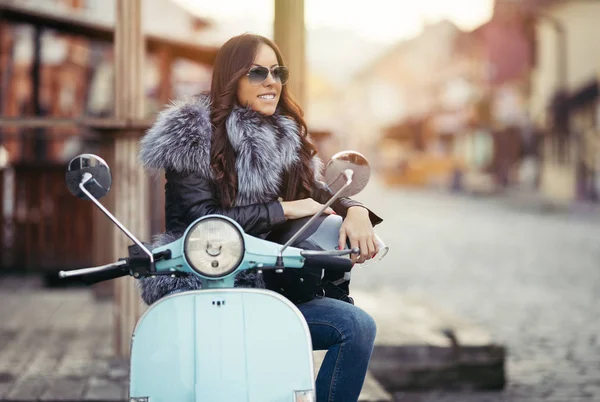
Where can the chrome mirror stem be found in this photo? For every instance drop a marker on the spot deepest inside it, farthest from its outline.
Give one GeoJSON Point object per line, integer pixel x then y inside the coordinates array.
{"type": "Point", "coordinates": [348, 173]}
{"type": "Point", "coordinates": [86, 178]}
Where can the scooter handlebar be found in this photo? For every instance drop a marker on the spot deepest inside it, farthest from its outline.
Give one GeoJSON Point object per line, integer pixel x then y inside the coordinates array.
{"type": "Point", "coordinates": [92, 270]}
{"type": "Point", "coordinates": [98, 274]}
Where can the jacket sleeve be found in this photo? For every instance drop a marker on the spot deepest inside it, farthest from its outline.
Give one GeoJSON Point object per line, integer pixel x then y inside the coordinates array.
{"type": "Point", "coordinates": [342, 204]}
{"type": "Point", "coordinates": [191, 196]}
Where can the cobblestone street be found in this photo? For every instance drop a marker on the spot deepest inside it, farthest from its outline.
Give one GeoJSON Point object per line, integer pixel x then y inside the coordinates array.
{"type": "Point", "coordinates": [531, 278]}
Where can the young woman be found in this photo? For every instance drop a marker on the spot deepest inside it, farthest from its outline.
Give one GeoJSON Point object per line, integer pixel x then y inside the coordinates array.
{"type": "Point", "coordinates": [243, 151]}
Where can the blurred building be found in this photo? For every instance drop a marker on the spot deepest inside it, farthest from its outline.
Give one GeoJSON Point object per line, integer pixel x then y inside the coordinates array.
{"type": "Point", "coordinates": [445, 103]}
{"type": "Point", "coordinates": [515, 102]}
{"type": "Point", "coordinates": [564, 96]}
{"type": "Point", "coordinates": [56, 61]}
{"type": "Point", "coordinates": [503, 47]}
{"type": "Point", "coordinates": [76, 71]}
{"type": "Point", "coordinates": [393, 98]}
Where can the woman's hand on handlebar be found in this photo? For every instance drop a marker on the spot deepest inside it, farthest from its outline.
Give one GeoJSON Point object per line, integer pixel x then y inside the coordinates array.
{"type": "Point", "coordinates": [302, 208]}
{"type": "Point", "coordinates": [358, 229]}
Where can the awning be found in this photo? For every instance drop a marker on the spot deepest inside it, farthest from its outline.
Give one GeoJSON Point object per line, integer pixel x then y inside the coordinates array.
{"type": "Point", "coordinates": [102, 32]}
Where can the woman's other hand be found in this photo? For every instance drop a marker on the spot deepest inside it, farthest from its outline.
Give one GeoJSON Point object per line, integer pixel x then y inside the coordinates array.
{"type": "Point", "coordinates": [302, 208]}
{"type": "Point", "coordinates": [358, 229]}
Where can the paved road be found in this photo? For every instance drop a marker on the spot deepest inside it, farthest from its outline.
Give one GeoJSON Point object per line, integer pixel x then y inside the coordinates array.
{"type": "Point", "coordinates": [532, 278]}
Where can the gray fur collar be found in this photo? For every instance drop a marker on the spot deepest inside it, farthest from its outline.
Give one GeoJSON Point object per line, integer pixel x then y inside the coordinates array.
{"type": "Point", "coordinates": [180, 140]}
{"type": "Point", "coordinates": [265, 146]}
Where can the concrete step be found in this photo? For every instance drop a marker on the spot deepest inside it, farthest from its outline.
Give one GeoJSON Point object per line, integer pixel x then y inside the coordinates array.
{"type": "Point", "coordinates": [420, 345]}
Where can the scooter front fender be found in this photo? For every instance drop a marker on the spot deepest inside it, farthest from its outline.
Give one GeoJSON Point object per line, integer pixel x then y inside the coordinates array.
{"type": "Point", "coordinates": [221, 345]}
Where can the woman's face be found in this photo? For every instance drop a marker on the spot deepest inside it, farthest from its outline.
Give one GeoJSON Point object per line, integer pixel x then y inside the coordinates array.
{"type": "Point", "coordinates": [262, 97]}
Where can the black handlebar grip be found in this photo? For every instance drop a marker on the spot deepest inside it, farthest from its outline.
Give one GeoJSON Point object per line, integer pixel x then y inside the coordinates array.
{"type": "Point", "coordinates": [329, 263]}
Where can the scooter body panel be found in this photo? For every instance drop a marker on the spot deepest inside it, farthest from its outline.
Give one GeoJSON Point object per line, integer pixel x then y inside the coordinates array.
{"type": "Point", "coordinates": [221, 345]}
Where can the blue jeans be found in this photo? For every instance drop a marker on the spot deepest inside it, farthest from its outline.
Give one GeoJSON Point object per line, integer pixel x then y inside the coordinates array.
{"type": "Point", "coordinates": [348, 335]}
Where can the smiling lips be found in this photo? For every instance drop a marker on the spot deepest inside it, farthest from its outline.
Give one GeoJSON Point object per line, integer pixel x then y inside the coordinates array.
{"type": "Point", "coordinates": [269, 96]}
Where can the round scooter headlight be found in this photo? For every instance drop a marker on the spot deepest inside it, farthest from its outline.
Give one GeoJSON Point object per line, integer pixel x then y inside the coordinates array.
{"type": "Point", "coordinates": [214, 247]}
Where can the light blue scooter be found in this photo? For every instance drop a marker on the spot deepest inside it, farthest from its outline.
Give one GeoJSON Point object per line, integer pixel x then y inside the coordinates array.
{"type": "Point", "coordinates": [220, 343]}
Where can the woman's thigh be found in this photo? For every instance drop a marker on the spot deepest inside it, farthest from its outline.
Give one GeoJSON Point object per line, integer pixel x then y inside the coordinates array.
{"type": "Point", "coordinates": [332, 321]}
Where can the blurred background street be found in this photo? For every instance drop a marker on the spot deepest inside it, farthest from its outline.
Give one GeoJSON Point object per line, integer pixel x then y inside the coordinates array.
{"type": "Point", "coordinates": [527, 275]}
{"type": "Point", "coordinates": [480, 118]}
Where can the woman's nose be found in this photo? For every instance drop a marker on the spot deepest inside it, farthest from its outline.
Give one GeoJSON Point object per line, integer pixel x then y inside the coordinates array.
{"type": "Point", "coordinates": [270, 79]}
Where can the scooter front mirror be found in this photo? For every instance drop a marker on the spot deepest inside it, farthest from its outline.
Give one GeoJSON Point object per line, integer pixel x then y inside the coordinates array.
{"type": "Point", "coordinates": [335, 173]}
{"type": "Point", "coordinates": [346, 174]}
{"type": "Point", "coordinates": [98, 185]}
{"type": "Point", "coordinates": [90, 173]}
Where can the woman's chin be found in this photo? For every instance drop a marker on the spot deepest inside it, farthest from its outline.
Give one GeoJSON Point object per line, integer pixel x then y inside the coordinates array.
{"type": "Point", "coordinates": [267, 110]}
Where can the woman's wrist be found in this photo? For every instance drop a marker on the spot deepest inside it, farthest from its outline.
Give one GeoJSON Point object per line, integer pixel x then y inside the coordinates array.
{"type": "Point", "coordinates": [357, 209]}
{"type": "Point", "coordinates": [285, 207]}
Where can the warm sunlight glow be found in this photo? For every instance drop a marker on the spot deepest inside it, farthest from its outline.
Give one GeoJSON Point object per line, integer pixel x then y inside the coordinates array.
{"type": "Point", "coordinates": [386, 21]}
{"type": "Point", "coordinates": [380, 20]}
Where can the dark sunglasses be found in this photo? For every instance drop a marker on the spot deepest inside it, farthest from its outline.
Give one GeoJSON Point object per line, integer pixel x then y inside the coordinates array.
{"type": "Point", "coordinates": [258, 74]}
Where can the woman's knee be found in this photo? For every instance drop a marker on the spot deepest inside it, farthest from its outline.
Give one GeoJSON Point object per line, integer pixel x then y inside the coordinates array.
{"type": "Point", "coordinates": [364, 326]}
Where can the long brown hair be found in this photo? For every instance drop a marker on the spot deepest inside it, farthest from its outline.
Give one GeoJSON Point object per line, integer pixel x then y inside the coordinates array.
{"type": "Point", "coordinates": [233, 61]}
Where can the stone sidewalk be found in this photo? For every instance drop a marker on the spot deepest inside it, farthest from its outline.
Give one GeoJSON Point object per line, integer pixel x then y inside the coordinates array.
{"type": "Point", "coordinates": [56, 345]}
